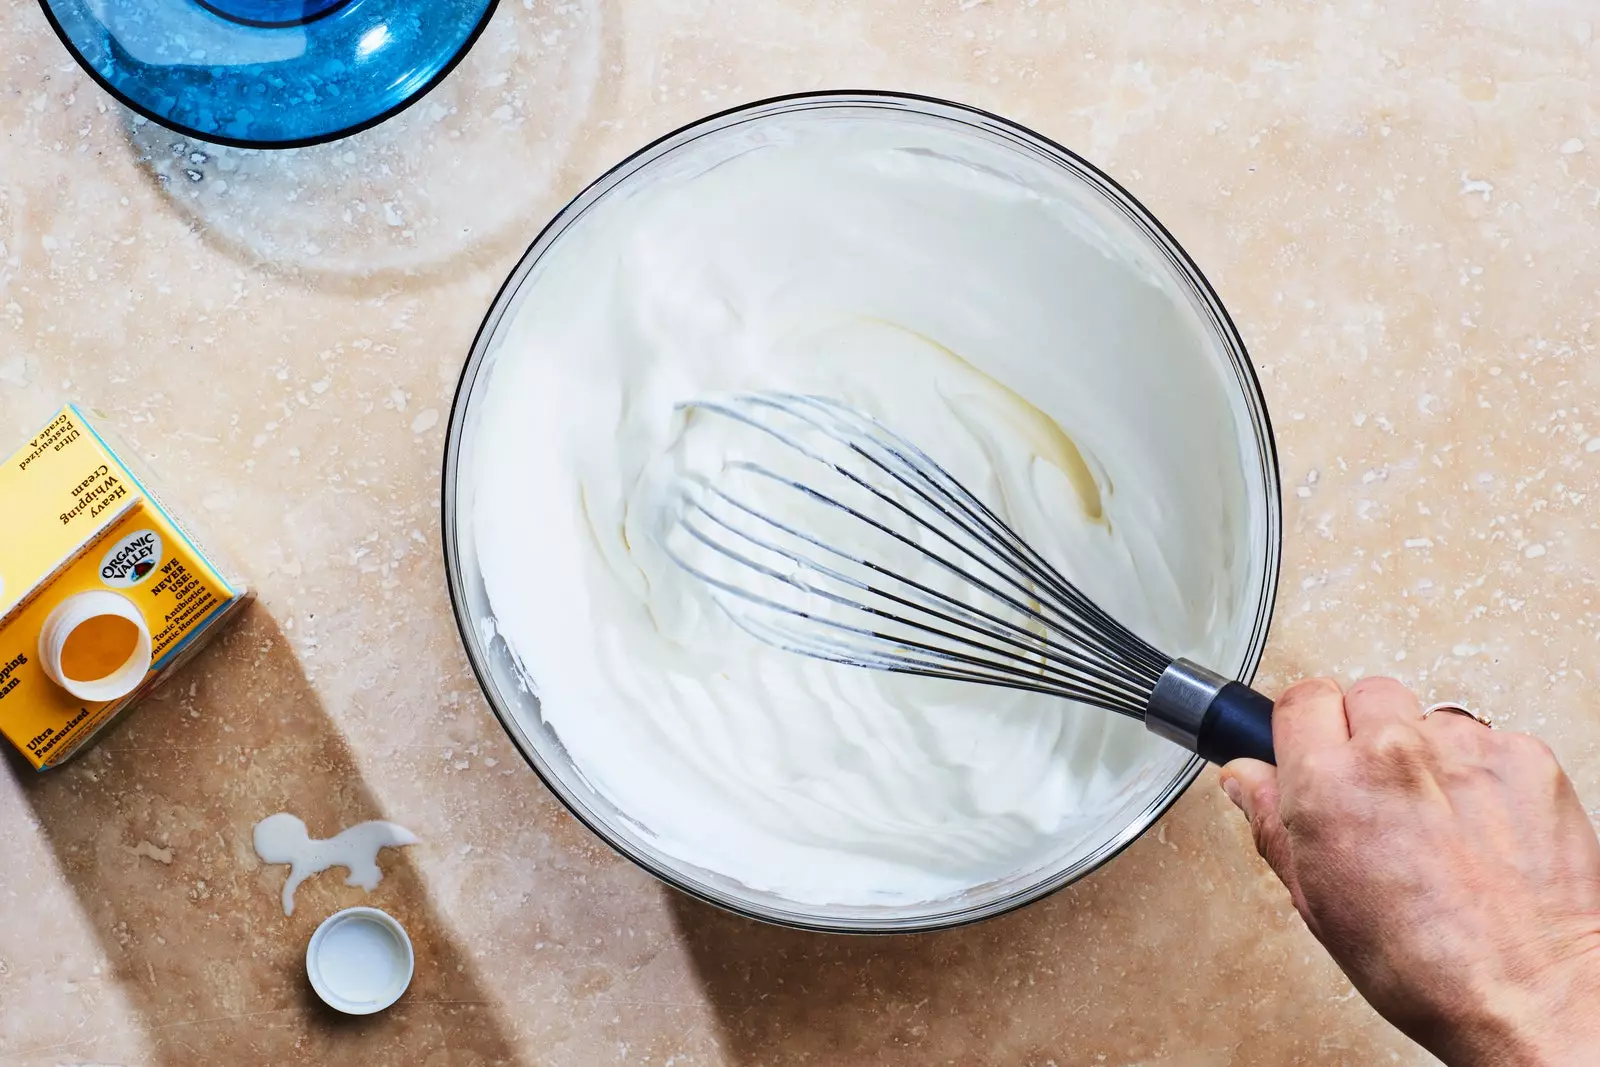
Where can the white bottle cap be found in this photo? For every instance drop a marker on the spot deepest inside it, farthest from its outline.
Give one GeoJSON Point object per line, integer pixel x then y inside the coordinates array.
{"type": "Point", "coordinates": [360, 960]}
{"type": "Point", "coordinates": [72, 613]}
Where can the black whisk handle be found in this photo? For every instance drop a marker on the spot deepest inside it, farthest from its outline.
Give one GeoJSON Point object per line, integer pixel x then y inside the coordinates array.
{"type": "Point", "coordinates": [1237, 725]}
{"type": "Point", "coordinates": [1212, 716]}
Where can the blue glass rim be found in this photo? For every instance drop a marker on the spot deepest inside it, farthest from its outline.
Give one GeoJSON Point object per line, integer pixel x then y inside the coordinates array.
{"type": "Point", "coordinates": [444, 71]}
{"type": "Point", "coordinates": [322, 9]}
{"type": "Point", "coordinates": [1185, 269]}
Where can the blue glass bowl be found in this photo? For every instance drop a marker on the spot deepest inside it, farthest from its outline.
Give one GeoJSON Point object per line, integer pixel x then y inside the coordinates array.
{"type": "Point", "coordinates": [268, 73]}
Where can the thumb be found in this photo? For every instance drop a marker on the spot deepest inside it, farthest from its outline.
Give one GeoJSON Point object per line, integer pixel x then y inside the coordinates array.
{"type": "Point", "coordinates": [1253, 786]}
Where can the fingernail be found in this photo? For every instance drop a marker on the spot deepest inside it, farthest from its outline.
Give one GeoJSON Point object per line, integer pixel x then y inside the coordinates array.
{"type": "Point", "coordinates": [1230, 786]}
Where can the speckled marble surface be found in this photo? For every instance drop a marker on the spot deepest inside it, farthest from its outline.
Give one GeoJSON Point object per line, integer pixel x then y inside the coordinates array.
{"type": "Point", "coordinates": [1400, 204]}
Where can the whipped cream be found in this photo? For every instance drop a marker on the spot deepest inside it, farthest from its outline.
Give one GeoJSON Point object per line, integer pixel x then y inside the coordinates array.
{"type": "Point", "coordinates": [974, 301]}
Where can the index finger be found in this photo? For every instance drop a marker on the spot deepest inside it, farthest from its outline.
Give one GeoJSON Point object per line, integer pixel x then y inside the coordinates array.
{"type": "Point", "coordinates": [1307, 717]}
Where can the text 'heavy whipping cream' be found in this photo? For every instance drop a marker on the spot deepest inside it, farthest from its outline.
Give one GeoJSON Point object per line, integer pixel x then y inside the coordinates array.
{"type": "Point", "coordinates": [102, 592]}
{"type": "Point", "coordinates": [952, 292]}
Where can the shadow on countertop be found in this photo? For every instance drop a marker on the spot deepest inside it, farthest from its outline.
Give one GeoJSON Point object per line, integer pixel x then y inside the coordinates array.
{"type": "Point", "coordinates": [1172, 956]}
{"type": "Point", "coordinates": [152, 828]}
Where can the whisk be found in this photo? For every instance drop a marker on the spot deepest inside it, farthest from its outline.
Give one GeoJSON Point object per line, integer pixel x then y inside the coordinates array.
{"type": "Point", "coordinates": [847, 543]}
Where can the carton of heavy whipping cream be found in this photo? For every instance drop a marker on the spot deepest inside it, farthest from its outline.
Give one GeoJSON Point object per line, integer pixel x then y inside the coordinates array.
{"type": "Point", "coordinates": [102, 592]}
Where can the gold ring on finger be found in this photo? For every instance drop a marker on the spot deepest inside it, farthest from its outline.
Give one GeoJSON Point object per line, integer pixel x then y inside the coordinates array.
{"type": "Point", "coordinates": [1459, 709]}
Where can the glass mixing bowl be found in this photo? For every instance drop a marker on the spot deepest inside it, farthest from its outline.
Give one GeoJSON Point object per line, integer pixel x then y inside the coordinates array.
{"type": "Point", "coordinates": [268, 73]}
{"type": "Point", "coordinates": [1115, 213]}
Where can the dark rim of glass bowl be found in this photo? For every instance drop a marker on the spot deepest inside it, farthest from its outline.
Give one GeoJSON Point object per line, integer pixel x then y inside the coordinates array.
{"type": "Point", "coordinates": [1022, 138]}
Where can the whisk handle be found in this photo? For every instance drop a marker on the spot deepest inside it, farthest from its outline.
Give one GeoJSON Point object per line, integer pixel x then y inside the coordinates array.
{"type": "Point", "coordinates": [1212, 716]}
{"type": "Point", "coordinates": [1238, 725]}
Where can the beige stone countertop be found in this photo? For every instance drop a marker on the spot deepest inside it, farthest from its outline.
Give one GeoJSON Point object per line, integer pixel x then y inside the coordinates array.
{"type": "Point", "coordinates": [1398, 202]}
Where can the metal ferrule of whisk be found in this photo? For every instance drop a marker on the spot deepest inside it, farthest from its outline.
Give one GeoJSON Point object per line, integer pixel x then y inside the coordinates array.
{"type": "Point", "coordinates": [1208, 714]}
{"type": "Point", "coordinates": [825, 533]}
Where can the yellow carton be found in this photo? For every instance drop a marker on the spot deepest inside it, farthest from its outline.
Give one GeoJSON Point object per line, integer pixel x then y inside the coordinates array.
{"type": "Point", "coordinates": [102, 593]}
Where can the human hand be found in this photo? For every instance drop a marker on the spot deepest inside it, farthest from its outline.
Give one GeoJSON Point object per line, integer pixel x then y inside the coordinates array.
{"type": "Point", "coordinates": [1449, 869]}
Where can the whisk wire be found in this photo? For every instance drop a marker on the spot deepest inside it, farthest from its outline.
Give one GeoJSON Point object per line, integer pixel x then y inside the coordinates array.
{"type": "Point", "coordinates": [990, 530]}
{"type": "Point", "coordinates": [821, 646]}
{"type": "Point", "coordinates": [1030, 642]}
{"type": "Point", "coordinates": [1031, 649]}
{"type": "Point", "coordinates": [908, 626]}
{"type": "Point", "coordinates": [850, 656]}
{"type": "Point", "coordinates": [916, 485]}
